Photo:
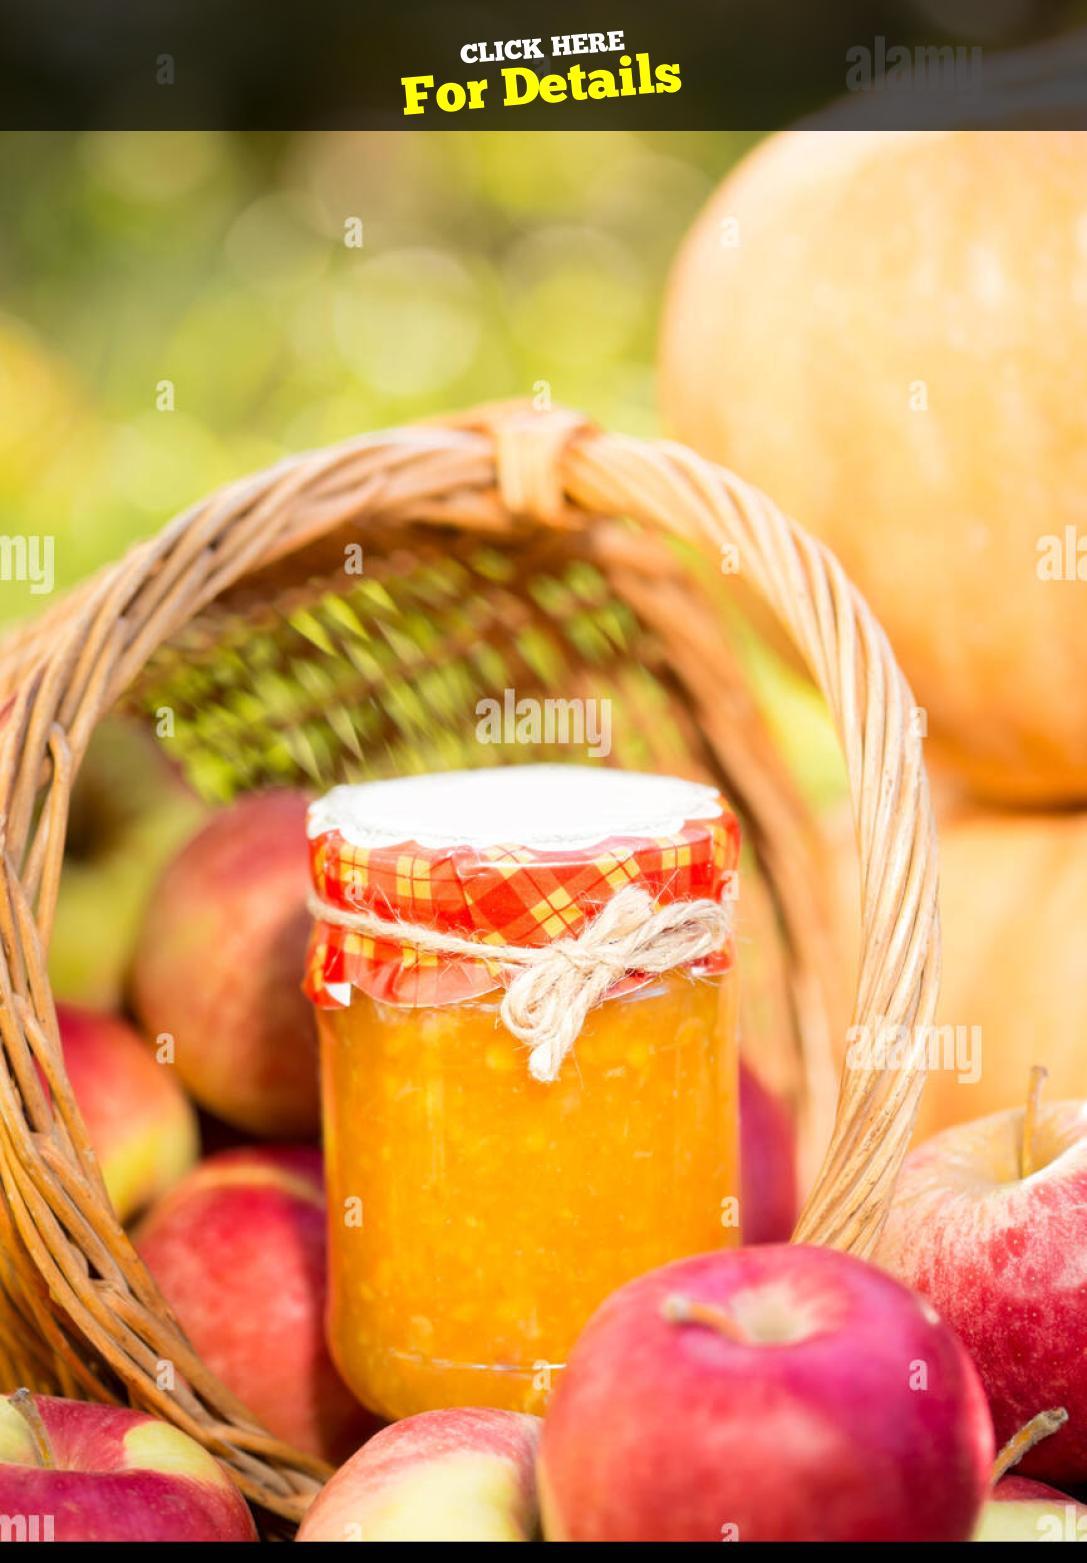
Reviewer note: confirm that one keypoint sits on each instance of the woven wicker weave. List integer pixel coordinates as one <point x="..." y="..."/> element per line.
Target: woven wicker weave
<point x="546" y="493"/>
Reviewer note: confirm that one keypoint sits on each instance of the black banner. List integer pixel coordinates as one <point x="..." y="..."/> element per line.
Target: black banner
<point x="589" y="65"/>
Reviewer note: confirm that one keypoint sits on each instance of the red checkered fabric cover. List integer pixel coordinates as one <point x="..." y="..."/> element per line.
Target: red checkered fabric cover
<point x="499" y="895"/>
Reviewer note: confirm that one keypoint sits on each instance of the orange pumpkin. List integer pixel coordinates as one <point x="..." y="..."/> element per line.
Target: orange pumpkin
<point x="888" y="331"/>
<point x="1013" y="903"/>
<point x="1013" y="990"/>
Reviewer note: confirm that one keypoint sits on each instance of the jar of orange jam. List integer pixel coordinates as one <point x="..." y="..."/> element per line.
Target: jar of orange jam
<point x="480" y="1210"/>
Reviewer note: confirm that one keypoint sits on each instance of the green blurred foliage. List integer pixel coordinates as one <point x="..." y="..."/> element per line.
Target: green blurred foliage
<point x="218" y="262"/>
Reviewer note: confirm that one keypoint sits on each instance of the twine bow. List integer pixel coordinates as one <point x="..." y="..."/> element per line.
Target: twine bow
<point x="554" y="986"/>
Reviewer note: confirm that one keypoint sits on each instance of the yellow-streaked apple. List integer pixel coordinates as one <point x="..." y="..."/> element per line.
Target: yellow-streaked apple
<point x="1023" y="1510"/>
<point x="219" y="965"/>
<point x="458" y="1475"/>
<point x="989" y="1221"/>
<point x="71" y="1470"/>
<point x="238" y="1250"/>
<point x="140" y="1121"/>
<point x="130" y="811"/>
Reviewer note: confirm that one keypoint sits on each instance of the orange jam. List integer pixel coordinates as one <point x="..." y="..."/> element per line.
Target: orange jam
<point x="478" y="1215"/>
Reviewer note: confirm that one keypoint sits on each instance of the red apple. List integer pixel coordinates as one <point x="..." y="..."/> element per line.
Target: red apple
<point x="1022" y="1510"/>
<point x="464" y="1475"/>
<point x="73" y="1471"/>
<point x="1003" y="1258"/>
<point x="765" y="1394"/>
<point x="767" y="1163"/>
<point x="238" y="1250"/>
<point x="219" y="964"/>
<point x="141" y="1124"/>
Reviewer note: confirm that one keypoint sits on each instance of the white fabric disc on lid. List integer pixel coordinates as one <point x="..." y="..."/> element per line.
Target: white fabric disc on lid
<point x="544" y="807"/>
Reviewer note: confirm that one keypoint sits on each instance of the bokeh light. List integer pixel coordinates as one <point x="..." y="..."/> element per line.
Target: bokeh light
<point x="215" y="265"/>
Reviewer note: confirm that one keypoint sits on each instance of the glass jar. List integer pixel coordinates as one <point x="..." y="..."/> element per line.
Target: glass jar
<point x="478" y="1215"/>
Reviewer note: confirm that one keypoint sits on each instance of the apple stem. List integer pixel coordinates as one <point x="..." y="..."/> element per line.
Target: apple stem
<point x="684" y="1310"/>
<point x="1030" y="1120"/>
<point x="25" y="1404"/>
<point x="1020" y="1443"/>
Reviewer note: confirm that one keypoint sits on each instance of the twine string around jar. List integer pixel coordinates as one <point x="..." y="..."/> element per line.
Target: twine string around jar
<point x="554" y="986"/>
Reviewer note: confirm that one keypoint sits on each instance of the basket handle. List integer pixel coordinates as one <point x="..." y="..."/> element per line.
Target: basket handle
<point x="544" y="458"/>
<point x="553" y="467"/>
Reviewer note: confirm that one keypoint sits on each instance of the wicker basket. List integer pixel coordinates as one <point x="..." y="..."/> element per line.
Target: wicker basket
<point x="474" y="513"/>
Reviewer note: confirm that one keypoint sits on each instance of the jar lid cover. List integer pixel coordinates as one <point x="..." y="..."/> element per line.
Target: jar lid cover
<point x="521" y="855"/>
<point x="546" y="807"/>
